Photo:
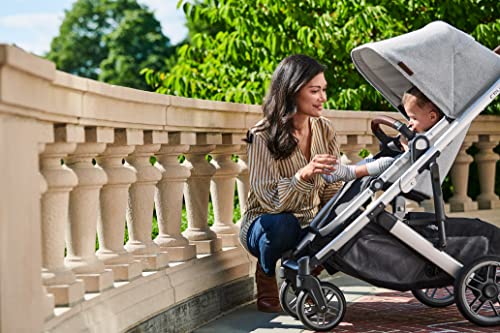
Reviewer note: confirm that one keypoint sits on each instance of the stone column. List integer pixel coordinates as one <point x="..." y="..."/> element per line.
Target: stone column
<point x="48" y="299"/>
<point x="21" y="293"/>
<point x="141" y="204"/>
<point x="243" y="181"/>
<point x="486" y="162"/>
<point x="83" y="211"/>
<point x="374" y="147"/>
<point x="353" y="146"/>
<point x="222" y="188"/>
<point x="168" y="202"/>
<point x="59" y="280"/>
<point x="113" y="204"/>
<point x="459" y="174"/>
<point x="196" y="194"/>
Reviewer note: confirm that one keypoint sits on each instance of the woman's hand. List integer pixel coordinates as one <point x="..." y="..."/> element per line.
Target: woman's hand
<point x="320" y="164"/>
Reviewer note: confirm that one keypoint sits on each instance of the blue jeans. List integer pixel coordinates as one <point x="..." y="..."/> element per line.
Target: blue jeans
<point x="271" y="235"/>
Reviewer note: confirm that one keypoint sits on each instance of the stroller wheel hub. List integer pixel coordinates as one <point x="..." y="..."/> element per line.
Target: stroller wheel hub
<point x="490" y="291"/>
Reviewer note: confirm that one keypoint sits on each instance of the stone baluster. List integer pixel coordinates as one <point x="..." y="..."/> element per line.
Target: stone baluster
<point x="141" y="204"/>
<point x="243" y="181"/>
<point x="486" y="162"/>
<point x="83" y="211"/>
<point x="168" y="197"/>
<point x="113" y="204"/>
<point x="353" y="146"/>
<point x="59" y="280"/>
<point x="196" y="195"/>
<point x="459" y="174"/>
<point x="47" y="135"/>
<point x="222" y="188"/>
<point x="374" y="147"/>
<point x="342" y="141"/>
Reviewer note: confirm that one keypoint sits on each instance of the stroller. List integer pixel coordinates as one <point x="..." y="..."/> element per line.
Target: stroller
<point x="356" y="232"/>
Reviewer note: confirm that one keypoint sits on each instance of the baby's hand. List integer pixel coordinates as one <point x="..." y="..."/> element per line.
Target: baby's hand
<point x="404" y="142"/>
<point x="342" y="172"/>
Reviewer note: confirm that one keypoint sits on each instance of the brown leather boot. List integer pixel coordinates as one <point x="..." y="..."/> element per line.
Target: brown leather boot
<point x="317" y="271"/>
<point x="267" y="292"/>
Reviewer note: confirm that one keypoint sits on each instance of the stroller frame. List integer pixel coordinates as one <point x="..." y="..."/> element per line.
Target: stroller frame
<point x="443" y="133"/>
<point x="406" y="182"/>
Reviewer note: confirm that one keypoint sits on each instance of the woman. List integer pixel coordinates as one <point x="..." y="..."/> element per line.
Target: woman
<point x="288" y="151"/>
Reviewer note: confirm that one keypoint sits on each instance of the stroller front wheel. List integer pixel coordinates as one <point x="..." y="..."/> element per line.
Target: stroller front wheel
<point x="477" y="291"/>
<point x="288" y="298"/>
<point x="315" y="320"/>
<point x="435" y="297"/>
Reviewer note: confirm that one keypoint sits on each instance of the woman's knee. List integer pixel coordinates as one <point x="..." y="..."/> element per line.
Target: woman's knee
<point x="282" y="230"/>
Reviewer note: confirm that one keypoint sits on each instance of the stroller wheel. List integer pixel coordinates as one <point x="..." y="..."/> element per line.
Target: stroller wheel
<point x="477" y="291"/>
<point x="315" y="320"/>
<point x="288" y="298"/>
<point x="435" y="297"/>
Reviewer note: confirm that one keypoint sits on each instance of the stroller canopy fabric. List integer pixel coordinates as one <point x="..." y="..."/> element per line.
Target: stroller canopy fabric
<point x="446" y="64"/>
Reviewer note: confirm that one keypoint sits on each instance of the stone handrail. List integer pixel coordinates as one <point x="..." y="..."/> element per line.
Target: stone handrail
<point x="77" y="163"/>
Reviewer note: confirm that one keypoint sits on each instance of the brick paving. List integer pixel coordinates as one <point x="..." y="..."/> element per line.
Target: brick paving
<point x="400" y="312"/>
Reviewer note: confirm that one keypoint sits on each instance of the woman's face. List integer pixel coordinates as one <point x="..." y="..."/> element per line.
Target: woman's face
<point x="311" y="97"/>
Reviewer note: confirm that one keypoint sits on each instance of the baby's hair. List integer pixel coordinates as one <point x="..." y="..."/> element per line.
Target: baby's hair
<point x="422" y="100"/>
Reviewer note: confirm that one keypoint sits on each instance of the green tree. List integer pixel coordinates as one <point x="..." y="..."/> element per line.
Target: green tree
<point x="110" y="40"/>
<point x="128" y="55"/>
<point x="234" y="60"/>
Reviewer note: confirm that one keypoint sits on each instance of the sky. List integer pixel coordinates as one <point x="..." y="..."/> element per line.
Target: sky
<point x="31" y="24"/>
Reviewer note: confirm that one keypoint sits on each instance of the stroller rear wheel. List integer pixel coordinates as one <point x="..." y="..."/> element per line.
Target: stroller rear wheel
<point x="435" y="297"/>
<point x="313" y="319"/>
<point x="477" y="291"/>
<point x="288" y="298"/>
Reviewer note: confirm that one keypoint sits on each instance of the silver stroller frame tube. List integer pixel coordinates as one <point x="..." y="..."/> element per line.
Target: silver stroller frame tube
<point x="405" y="183"/>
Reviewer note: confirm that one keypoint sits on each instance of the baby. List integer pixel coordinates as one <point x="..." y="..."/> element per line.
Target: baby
<point x="423" y="114"/>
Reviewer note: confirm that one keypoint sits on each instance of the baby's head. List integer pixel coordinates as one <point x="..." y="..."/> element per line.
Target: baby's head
<point x="423" y="114"/>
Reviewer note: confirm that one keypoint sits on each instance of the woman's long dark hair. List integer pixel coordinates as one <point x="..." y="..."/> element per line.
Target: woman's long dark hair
<point x="280" y="105"/>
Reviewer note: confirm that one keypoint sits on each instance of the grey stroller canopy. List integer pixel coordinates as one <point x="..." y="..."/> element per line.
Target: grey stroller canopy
<point x="446" y="64"/>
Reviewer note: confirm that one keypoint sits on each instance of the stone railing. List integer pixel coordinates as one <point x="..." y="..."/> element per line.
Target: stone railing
<point x="77" y="164"/>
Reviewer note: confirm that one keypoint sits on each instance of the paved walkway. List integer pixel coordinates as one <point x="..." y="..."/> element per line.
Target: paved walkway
<point x="370" y="309"/>
<point x="248" y="319"/>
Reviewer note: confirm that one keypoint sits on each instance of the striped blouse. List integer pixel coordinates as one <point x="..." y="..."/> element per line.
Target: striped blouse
<point x="275" y="185"/>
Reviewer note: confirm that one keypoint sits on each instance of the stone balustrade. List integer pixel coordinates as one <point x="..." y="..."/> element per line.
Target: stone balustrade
<point x="79" y="197"/>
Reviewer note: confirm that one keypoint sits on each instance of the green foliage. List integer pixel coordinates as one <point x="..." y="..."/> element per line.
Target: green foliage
<point x="234" y="45"/>
<point x="364" y="153"/>
<point x="155" y="231"/>
<point x="237" y="208"/>
<point x="110" y="40"/>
